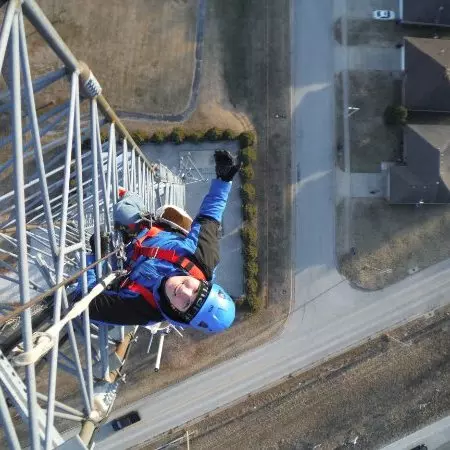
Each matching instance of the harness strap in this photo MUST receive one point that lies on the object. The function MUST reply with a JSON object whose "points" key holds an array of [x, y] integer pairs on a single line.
{"points": [[137, 245], [146, 293], [165, 255]]}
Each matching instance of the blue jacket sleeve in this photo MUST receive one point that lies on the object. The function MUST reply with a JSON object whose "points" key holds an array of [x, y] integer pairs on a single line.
{"points": [[91, 275], [214, 203], [204, 235]]}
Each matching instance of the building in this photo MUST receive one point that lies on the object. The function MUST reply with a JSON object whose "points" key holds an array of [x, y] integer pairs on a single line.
{"points": [[425, 12], [426, 82], [426, 176]]}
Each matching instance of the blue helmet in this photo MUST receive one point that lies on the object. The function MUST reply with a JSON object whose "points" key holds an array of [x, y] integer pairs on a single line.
{"points": [[130, 209], [214, 312]]}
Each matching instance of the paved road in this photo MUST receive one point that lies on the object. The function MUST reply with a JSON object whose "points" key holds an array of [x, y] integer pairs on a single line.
{"points": [[435, 436], [328, 315]]}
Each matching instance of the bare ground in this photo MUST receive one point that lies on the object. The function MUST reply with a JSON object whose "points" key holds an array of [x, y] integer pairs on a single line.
{"points": [[378, 392], [141, 52], [391, 242]]}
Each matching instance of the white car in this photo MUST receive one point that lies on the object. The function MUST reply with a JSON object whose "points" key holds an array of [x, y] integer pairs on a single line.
{"points": [[383, 14]]}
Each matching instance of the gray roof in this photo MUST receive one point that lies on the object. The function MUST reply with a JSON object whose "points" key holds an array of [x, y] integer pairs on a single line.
{"points": [[426, 12], [426, 177], [426, 84]]}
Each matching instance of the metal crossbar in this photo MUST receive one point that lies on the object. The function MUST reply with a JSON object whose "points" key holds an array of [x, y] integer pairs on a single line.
{"points": [[59, 180]]}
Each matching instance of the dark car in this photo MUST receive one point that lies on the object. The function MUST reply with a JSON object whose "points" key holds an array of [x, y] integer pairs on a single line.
{"points": [[125, 421], [420, 447]]}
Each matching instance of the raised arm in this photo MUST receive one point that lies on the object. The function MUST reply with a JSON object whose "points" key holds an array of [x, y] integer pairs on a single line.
{"points": [[204, 235]]}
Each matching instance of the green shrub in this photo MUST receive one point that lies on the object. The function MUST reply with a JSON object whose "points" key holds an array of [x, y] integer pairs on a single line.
{"points": [[249, 234], [246, 173], [246, 139], [228, 135], [251, 286], [248, 155], [248, 192], [214, 134], [250, 251], [139, 136], [395, 115], [255, 302], [178, 135], [158, 137], [249, 212], [195, 136], [251, 269]]}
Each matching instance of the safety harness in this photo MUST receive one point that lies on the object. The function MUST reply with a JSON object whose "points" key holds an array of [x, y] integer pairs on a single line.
{"points": [[165, 255]]}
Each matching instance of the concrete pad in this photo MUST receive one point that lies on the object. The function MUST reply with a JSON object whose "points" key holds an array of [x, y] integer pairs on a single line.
{"points": [[368, 184], [361, 184]]}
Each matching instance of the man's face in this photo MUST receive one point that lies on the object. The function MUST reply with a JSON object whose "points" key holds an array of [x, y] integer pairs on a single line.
{"points": [[182, 291]]}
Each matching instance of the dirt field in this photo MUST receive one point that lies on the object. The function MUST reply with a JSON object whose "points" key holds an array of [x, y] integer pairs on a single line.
{"points": [[391, 242], [364, 399], [141, 52]]}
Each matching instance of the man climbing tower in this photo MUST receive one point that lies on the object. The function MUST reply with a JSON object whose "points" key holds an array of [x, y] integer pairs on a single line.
{"points": [[171, 266]]}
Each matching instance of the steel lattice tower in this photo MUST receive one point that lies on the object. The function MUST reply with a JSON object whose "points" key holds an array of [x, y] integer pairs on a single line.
{"points": [[59, 177]]}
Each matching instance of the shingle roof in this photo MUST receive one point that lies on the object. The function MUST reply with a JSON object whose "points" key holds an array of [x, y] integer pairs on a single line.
{"points": [[426, 84], [426, 12], [426, 177]]}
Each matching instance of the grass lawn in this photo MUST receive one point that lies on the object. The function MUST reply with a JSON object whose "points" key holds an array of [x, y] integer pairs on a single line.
{"points": [[391, 242], [142, 52], [371, 141]]}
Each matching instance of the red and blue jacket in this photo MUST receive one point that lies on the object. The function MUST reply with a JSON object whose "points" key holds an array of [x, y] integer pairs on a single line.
{"points": [[127, 305]]}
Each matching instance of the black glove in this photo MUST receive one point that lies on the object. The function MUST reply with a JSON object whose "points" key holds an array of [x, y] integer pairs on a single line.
{"points": [[104, 244], [226, 165]]}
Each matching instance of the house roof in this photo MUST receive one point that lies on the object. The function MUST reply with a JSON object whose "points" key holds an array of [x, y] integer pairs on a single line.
{"points": [[426, 12], [426, 180], [406, 187], [426, 84]]}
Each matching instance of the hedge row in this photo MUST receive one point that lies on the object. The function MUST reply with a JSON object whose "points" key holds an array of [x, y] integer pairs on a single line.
{"points": [[178, 135], [249, 232]]}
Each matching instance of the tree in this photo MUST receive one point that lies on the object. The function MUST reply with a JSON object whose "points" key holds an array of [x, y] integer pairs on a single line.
{"points": [[395, 115], [248, 192], [139, 136], [246, 173], [248, 155], [246, 139], [195, 136], [228, 135], [249, 235], [178, 135], [158, 137], [214, 134], [249, 212]]}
